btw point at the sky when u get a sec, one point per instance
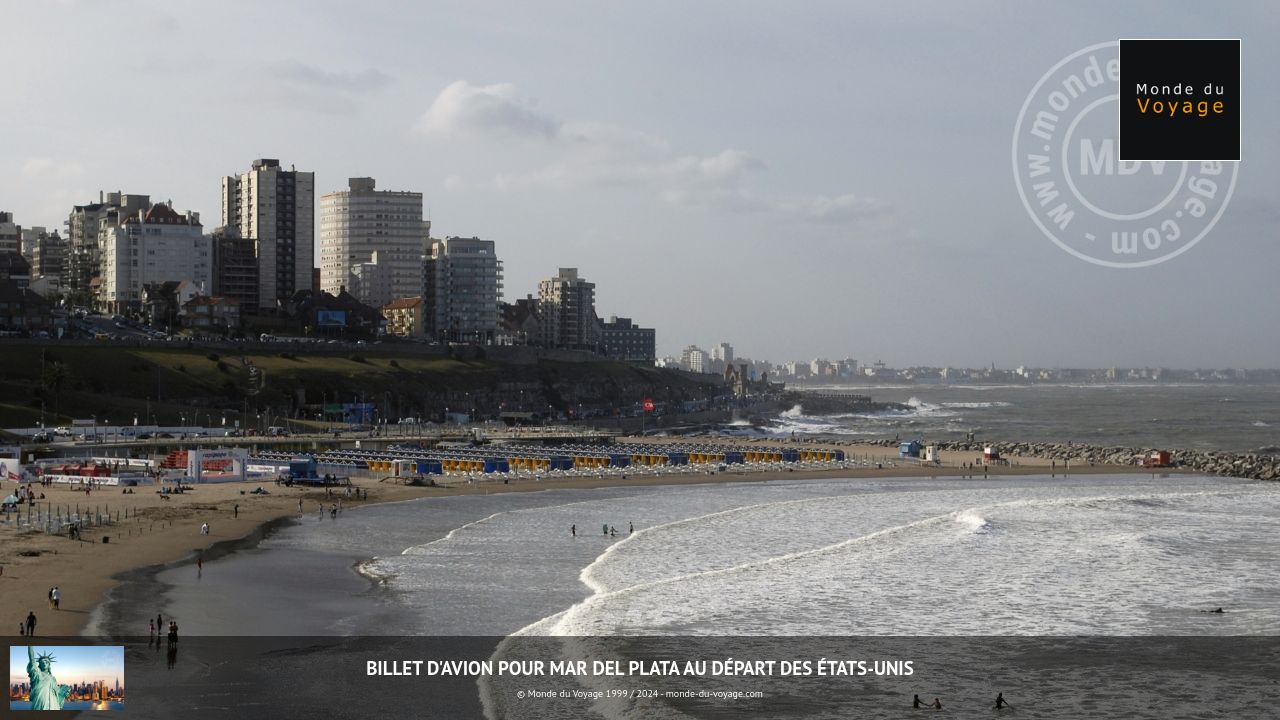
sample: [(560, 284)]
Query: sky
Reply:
[(818, 179)]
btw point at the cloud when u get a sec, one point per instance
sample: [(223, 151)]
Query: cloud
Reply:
[(45, 168), (463, 108), (299, 73), (589, 155), (296, 86)]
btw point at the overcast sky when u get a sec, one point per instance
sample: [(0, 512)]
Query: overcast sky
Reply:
[(799, 179)]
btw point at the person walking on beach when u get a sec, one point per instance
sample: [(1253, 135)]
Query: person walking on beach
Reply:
[(236, 511), (299, 506), (56, 594), (50, 594), (151, 630), (631, 527), (31, 624), (204, 529)]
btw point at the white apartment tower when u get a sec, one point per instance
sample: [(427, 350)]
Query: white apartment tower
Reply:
[(276, 209), (153, 246), (371, 242)]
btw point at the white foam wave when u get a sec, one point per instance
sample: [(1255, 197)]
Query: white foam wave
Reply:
[(974, 521)]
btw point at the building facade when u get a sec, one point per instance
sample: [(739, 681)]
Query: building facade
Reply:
[(462, 288), (275, 208), (152, 247), (567, 305), (235, 269), (623, 340), (10, 233), (86, 226), (364, 226), (405, 317)]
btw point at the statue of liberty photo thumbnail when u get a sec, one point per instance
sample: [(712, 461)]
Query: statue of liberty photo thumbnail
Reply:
[(46, 693)]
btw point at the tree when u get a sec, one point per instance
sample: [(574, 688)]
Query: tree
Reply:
[(54, 377)]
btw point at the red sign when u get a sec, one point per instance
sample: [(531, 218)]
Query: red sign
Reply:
[(648, 405)]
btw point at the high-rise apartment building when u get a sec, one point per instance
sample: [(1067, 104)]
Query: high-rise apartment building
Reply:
[(567, 304), (235, 268), (722, 352), (10, 233), (154, 246), (371, 242), (462, 284), (45, 251), (275, 208), (85, 227)]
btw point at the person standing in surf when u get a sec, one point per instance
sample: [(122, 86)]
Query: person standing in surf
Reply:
[(46, 693)]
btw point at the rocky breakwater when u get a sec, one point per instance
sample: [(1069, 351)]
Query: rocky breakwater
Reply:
[(1256, 466), (834, 403)]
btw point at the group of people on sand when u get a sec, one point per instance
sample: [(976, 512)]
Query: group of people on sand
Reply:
[(157, 627), (918, 704)]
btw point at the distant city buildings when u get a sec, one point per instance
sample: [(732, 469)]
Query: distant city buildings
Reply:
[(379, 270), (695, 359), (275, 208), (153, 246), (722, 352), (371, 242), (567, 306)]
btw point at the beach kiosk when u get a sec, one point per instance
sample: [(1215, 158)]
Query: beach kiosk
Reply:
[(990, 454), (909, 449), (931, 454), (1159, 458)]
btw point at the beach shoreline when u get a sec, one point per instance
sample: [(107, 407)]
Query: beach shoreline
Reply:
[(160, 534)]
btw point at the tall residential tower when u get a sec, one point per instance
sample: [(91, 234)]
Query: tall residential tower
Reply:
[(275, 208), (371, 242)]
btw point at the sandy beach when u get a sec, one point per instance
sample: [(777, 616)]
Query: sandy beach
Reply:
[(156, 531)]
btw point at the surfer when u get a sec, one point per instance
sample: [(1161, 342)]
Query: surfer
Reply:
[(1000, 703), (1215, 611), (937, 704), (916, 702)]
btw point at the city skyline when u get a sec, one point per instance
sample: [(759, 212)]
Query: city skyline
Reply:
[(819, 166)]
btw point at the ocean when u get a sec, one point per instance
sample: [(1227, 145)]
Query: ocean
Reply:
[(1024, 555), (1227, 417)]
